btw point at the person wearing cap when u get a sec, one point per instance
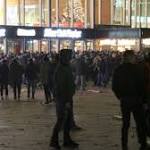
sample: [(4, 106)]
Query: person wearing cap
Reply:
[(64, 89), (128, 84)]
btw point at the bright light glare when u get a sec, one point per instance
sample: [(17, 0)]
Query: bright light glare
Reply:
[(2, 32), (146, 41), (62, 33), (26, 32), (124, 42), (108, 42)]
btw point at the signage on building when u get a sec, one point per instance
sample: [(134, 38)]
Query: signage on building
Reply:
[(26, 32), (2, 32), (62, 33)]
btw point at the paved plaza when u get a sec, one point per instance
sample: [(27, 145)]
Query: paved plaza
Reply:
[(27, 125)]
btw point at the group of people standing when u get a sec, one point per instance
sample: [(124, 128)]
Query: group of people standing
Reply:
[(16, 72)]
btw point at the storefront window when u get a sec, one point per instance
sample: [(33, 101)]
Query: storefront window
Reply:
[(1, 12), (32, 13), (12, 12)]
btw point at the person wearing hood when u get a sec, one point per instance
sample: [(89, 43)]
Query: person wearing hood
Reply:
[(64, 89)]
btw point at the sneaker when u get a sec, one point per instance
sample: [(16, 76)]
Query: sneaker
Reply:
[(71, 144), (56, 146)]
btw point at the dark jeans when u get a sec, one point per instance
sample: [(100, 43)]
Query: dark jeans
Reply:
[(47, 92), (72, 120), (4, 86), (139, 117), (31, 87), (63, 122), (17, 89)]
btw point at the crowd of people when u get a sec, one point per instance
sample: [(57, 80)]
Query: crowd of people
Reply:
[(37, 69), (131, 84)]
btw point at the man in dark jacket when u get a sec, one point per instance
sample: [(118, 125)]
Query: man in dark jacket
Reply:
[(16, 72), (4, 72), (64, 90), (31, 76), (129, 86)]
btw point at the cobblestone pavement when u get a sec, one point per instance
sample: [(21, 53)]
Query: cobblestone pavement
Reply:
[(27, 125)]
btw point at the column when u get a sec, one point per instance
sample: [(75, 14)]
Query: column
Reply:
[(72, 13), (146, 13), (92, 13), (112, 11), (130, 12), (23, 6), (40, 10), (57, 13), (5, 12), (124, 13), (135, 14), (139, 8), (49, 13), (100, 11), (86, 14), (49, 22)]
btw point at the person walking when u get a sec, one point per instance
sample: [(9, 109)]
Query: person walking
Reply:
[(44, 76), (63, 77), (128, 84)]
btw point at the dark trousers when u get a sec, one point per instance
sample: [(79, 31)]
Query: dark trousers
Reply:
[(72, 120), (139, 117), (31, 88), (17, 89), (4, 86), (47, 92), (63, 122)]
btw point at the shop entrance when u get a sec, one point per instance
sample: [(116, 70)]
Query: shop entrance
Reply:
[(17, 46)]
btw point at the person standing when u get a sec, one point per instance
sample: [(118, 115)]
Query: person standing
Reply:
[(16, 72), (4, 72), (31, 76), (44, 76), (128, 84), (64, 89)]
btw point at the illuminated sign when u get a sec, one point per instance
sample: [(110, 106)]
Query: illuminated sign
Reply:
[(62, 33), (2, 32), (26, 32)]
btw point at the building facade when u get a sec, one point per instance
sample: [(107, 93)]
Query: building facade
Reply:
[(71, 14)]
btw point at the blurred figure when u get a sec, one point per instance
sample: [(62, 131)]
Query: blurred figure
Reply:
[(128, 85), (16, 72), (31, 72), (64, 90), (4, 73), (44, 76)]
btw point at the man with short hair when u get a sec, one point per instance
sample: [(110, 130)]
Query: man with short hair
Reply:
[(128, 84)]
